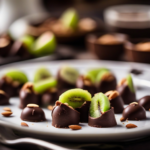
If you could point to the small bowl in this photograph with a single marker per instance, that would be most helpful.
(135, 55)
(106, 51)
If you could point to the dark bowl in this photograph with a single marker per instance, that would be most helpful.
(134, 55)
(106, 51)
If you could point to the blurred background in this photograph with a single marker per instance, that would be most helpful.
(74, 29)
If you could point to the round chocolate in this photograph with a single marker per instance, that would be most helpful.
(4, 99)
(104, 86)
(117, 104)
(134, 112)
(126, 94)
(33, 114)
(84, 111)
(90, 87)
(63, 116)
(107, 119)
(26, 97)
(145, 102)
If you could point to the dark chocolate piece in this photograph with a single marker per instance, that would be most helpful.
(50, 97)
(134, 112)
(84, 111)
(86, 84)
(4, 98)
(19, 49)
(107, 119)
(117, 104)
(27, 96)
(136, 71)
(104, 86)
(145, 102)
(33, 114)
(126, 94)
(63, 116)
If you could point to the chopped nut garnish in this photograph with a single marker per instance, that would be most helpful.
(75, 127)
(7, 109)
(108, 77)
(113, 95)
(130, 125)
(28, 85)
(87, 82)
(6, 113)
(122, 119)
(32, 105)
(50, 107)
(133, 103)
(123, 81)
(24, 124)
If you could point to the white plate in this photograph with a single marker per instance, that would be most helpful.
(87, 133)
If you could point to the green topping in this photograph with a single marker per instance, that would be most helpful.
(17, 75)
(99, 104)
(101, 74)
(28, 42)
(70, 18)
(42, 73)
(75, 97)
(69, 74)
(45, 44)
(92, 73)
(130, 83)
(44, 85)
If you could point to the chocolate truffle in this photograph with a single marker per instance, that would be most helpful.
(64, 115)
(50, 97)
(145, 102)
(84, 111)
(27, 95)
(134, 112)
(107, 83)
(107, 119)
(86, 84)
(67, 77)
(4, 99)
(127, 95)
(115, 101)
(33, 113)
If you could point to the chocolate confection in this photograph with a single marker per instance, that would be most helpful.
(63, 116)
(106, 46)
(27, 95)
(107, 119)
(50, 97)
(19, 49)
(33, 113)
(106, 84)
(115, 101)
(4, 99)
(145, 102)
(84, 111)
(86, 84)
(134, 112)
(126, 94)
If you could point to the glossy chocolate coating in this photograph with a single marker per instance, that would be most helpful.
(63, 116)
(84, 111)
(107, 119)
(134, 112)
(104, 86)
(127, 96)
(33, 114)
(145, 102)
(63, 84)
(49, 98)
(19, 49)
(117, 104)
(90, 88)
(4, 98)
(27, 97)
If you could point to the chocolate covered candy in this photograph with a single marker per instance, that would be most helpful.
(145, 102)
(133, 112)
(64, 115)
(27, 95)
(33, 113)
(115, 101)
(126, 90)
